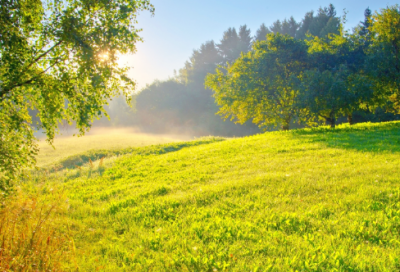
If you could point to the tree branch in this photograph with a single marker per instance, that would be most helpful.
(3, 92)
(41, 56)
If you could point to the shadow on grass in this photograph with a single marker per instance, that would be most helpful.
(365, 137)
(92, 155)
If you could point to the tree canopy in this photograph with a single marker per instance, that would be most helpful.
(316, 70)
(59, 58)
(262, 84)
(384, 54)
(331, 51)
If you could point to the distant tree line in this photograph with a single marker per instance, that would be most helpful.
(315, 57)
(316, 78)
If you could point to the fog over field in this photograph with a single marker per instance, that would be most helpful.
(66, 144)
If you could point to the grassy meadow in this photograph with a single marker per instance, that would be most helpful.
(98, 139)
(304, 200)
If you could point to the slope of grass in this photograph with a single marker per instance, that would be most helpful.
(306, 200)
(65, 147)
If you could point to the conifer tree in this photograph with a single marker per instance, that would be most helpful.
(228, 46)
(261, 34)
(244, 39)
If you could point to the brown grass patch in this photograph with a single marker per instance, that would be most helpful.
(30, 235)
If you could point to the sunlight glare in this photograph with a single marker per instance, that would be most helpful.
(104, 56)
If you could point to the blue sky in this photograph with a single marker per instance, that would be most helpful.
(179, 26)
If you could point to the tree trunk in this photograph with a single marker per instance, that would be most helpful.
(333, 123)
(350, 119)
(285, 127)
(285, 124)
(332, 119)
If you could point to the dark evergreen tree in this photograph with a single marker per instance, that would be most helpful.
(290, 27)
(325, 22)
(305, 25)
(276, 27)
(331, 27)
(330, 11)
(228, 46)
(203, 61)
(321, 25)
(364, 30)
(261, 34)
(293, 27)
(245, 39)
(319, 22)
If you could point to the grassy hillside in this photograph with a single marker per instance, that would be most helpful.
(111, 139)
(305, 200)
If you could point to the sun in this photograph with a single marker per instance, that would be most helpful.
(104, 56)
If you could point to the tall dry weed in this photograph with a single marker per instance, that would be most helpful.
(91, 164)
(101, 162)
(31, 236)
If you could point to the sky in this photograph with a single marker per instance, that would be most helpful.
(180, 26)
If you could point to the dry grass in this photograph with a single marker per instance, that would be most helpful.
(30, 235)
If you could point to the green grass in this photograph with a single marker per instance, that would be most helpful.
(304, 200)
(112, 139)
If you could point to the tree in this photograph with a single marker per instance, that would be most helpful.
(384, 55)
(229, 45)
(365, 25)
(163, 106)
(325, 22)
(338, 84)
(290, 27)
(261, 34)
(329, 93)
(262, 85)
(244, 39)
(232, 43)
(305, 25)
(203, 61)
(59, 58)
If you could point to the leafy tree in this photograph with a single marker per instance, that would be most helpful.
(361, 60)
(60, 59)
(384, 55)
(329, 93)
(338, 84)
(262, 85)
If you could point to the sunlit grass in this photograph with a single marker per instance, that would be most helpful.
(34, 234)
(104, 139)
(306, 200)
